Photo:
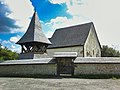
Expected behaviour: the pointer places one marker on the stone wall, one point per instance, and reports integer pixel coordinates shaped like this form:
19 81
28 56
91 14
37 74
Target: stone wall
48 66
97 69
28 70
78 49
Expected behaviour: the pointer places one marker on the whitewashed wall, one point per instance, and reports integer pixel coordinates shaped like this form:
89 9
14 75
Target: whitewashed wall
78 49
92 47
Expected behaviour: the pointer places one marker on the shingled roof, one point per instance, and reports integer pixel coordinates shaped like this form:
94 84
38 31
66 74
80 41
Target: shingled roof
70 36
34 32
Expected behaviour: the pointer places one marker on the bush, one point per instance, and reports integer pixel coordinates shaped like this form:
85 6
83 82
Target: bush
109 52
6 54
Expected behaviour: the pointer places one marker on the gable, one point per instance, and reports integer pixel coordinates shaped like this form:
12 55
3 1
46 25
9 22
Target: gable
92 47
70 36
94 35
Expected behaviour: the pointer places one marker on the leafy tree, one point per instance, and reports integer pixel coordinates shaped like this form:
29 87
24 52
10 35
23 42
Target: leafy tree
109 52
6 54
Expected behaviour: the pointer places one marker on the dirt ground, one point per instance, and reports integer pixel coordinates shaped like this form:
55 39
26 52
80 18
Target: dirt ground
58 84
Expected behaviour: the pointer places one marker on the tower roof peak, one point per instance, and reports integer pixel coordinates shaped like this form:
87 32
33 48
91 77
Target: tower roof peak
34 32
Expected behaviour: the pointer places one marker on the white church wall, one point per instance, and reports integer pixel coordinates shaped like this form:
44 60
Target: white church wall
92 47
78 49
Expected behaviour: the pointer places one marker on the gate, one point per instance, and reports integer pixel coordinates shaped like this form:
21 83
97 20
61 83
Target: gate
65 66
65 62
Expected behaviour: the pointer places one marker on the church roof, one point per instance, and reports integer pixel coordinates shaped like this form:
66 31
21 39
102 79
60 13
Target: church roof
70 36
34 32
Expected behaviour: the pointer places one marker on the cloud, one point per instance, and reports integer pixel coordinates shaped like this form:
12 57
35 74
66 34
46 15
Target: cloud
72 5
15 39
10 45
61 22
58 1
49 34
7 24
22 10
105 15
5 42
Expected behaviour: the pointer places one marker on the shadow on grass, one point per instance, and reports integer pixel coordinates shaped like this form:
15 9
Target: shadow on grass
83 76
32 76
97 76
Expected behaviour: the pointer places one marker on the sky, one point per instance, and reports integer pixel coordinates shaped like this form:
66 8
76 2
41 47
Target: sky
15 16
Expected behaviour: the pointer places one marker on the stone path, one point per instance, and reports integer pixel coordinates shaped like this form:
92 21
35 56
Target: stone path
58 84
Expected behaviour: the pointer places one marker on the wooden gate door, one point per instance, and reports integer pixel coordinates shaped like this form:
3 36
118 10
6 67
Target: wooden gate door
65 66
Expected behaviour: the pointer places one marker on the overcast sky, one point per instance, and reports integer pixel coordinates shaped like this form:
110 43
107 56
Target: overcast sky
15 16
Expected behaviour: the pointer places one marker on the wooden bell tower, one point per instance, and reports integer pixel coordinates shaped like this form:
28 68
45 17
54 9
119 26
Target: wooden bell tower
33 43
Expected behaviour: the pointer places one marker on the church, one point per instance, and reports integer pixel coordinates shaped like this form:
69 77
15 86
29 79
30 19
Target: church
81 39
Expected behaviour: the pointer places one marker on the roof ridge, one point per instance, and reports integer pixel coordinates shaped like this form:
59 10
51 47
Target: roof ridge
75 25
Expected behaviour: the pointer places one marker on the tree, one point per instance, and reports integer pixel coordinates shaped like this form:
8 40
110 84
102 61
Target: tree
109 52
6 54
